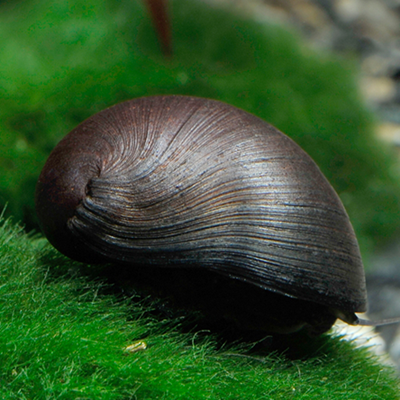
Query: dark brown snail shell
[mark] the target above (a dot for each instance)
(176, 181)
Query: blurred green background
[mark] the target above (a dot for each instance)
(64, 60)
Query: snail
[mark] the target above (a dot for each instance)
(185, 185)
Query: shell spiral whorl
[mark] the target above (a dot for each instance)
(180, 181)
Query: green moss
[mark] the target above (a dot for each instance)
(63, 336)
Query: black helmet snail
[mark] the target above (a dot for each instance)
(183, 182)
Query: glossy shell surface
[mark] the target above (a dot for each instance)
(180, 181)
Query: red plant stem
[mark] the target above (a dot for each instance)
(159, 15)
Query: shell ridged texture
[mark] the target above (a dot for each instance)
(179, 181)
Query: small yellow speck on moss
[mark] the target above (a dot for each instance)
(135, 347)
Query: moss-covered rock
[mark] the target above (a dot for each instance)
(64, 335)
